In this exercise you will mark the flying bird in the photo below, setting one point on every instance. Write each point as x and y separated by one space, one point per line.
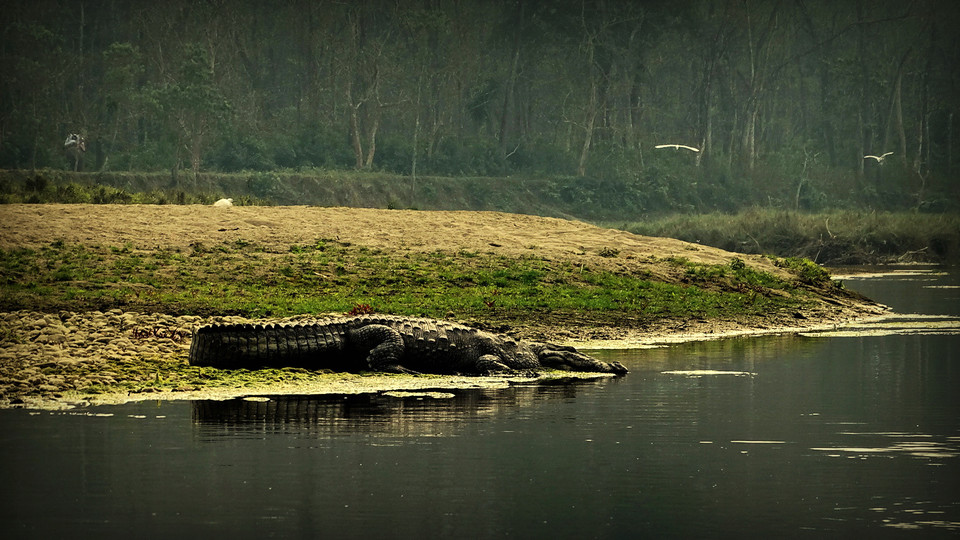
878 158
677 147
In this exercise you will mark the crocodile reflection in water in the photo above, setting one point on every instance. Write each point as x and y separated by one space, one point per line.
399 414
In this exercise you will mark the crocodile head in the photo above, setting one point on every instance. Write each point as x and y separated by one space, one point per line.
568 358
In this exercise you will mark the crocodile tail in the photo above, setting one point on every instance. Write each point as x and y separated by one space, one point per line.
250 346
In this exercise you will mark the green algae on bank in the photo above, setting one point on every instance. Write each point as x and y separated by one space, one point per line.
89 358
251 385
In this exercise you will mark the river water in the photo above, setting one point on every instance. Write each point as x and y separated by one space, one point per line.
826 435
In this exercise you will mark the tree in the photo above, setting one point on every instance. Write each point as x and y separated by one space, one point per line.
35 66
193 104
121 95
365 67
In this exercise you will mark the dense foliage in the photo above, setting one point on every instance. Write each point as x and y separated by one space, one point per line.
786 94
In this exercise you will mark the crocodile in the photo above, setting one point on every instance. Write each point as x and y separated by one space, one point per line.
385 343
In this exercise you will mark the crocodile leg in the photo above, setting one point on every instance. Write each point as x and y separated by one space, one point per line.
385 345
490 363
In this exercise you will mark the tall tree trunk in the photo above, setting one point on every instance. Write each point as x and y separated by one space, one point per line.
923 126
416 129
749 147
706 99
588 130
506 114
195 153
732 140
950 143
901 133
895 116
356 103
759 59
372 137
507 109
826 125
862 102
355 130
591 112
706 113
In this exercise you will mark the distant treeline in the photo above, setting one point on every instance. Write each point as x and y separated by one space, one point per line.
586 198
782 99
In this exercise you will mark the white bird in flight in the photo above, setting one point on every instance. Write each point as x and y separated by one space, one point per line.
878 158
677 147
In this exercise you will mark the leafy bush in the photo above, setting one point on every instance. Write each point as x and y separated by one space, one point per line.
806 270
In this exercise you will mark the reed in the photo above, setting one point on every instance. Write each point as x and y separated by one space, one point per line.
839 237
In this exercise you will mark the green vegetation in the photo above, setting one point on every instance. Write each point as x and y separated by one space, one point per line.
144 378
832 238
327 276
55 186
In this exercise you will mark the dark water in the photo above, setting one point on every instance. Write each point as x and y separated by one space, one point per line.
776 436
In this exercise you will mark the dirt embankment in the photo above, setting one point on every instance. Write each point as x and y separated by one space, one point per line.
152 226
43 350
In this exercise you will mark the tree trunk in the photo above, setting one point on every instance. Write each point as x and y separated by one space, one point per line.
416 130
923 127
355 126
588 132
505 116
196 145
862 102
706 100
592 106
355 136
950 143
758 51
901 134
372 138
749 134
825 119
505 113
895 116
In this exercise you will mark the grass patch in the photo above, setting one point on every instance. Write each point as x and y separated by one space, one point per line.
327 276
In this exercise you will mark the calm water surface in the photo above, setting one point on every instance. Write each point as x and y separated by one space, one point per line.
776 436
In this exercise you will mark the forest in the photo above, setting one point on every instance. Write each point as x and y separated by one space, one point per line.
779 100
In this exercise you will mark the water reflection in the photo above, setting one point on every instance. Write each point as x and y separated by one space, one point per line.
707 372
895 324
394 414
894 444
923 289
